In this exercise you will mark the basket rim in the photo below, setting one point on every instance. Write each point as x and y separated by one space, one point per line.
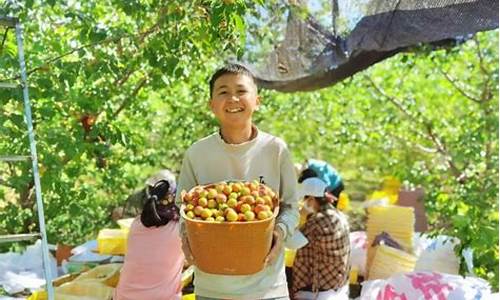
208 185
225 223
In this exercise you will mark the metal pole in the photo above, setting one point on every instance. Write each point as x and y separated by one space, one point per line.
36 175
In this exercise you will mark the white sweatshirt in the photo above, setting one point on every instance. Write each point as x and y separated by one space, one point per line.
212 160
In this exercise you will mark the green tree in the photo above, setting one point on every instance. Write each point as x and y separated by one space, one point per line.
99 72
117 96
429 117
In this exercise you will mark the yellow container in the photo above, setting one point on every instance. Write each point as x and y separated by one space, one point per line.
189 297
77 290
107 274
290 257
125 224
42 294
112 241
84 290
248 243
38 295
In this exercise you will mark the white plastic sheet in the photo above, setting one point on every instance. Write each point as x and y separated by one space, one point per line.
85 253
24 271
426 285
437 254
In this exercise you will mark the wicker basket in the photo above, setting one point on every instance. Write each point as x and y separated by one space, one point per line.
230 248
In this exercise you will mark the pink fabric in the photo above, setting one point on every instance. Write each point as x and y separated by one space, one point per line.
153 264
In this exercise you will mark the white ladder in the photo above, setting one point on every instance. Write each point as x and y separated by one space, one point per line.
8 23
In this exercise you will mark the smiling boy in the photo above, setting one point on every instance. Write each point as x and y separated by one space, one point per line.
239 151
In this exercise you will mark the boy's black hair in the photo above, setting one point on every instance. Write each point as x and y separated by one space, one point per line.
154 212
231 68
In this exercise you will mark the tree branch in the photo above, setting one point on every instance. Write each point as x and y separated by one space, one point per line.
141 35
120 81
392 99
489 141
3 39
11 169
456 86
26 199
141 84
43 65
398 104
486 94
444 151
149 31
420 147
438 142
480 57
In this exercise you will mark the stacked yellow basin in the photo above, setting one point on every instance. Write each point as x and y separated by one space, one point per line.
397 221
389 261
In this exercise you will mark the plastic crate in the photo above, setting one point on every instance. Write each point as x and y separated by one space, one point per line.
112 241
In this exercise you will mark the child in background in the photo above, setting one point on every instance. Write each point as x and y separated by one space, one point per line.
321 268
154 260
325 172
135 202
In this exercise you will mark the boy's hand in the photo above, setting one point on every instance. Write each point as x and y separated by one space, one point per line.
277 246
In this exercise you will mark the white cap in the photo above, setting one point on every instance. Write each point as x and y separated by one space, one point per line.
163 174
312 187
